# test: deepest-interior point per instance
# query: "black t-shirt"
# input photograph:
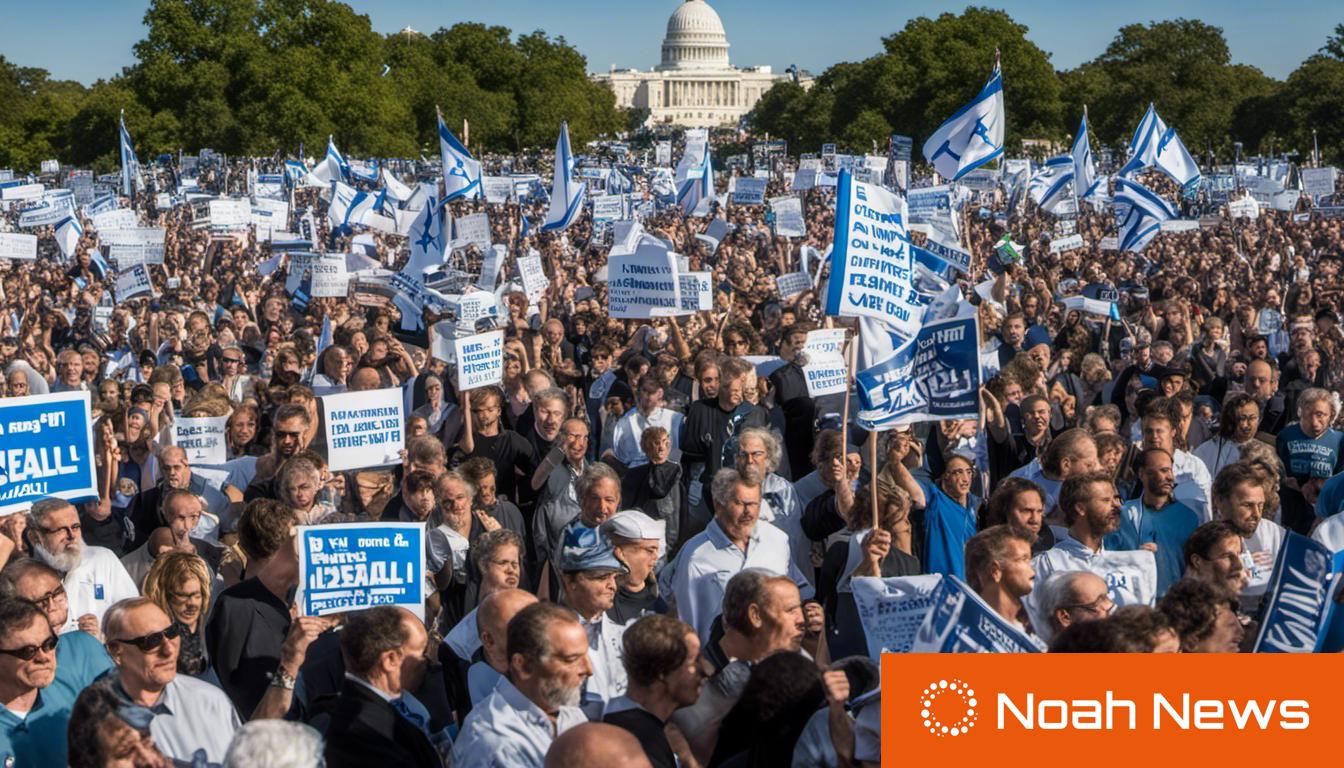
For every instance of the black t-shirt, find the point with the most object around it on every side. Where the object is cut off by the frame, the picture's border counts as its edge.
(109, 533)
(649, 730)
(246, 629)
(800, 416)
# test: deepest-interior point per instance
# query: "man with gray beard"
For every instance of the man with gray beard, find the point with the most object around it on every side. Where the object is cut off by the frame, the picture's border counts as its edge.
(537, 700)
(93, 577)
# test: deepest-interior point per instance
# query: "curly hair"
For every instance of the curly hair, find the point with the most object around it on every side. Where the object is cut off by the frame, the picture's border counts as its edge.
(170, 571)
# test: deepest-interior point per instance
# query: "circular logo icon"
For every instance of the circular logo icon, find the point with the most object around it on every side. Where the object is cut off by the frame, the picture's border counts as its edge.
(948, 708)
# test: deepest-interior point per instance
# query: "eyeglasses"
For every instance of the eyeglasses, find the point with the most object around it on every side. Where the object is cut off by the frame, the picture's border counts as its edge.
(72, 529)
(1102, 605)
(183, 595)
(44, 602)
(27, 652)
(153, 640)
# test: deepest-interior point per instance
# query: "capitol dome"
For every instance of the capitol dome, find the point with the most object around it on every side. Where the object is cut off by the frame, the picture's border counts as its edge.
(695, 39)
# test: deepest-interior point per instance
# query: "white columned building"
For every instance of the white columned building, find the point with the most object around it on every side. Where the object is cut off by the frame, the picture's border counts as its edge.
(694, 85)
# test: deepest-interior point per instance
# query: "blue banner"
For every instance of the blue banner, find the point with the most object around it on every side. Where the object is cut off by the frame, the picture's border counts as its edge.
(1298, 602)
(46, 449)
(353, 566)
(934, 376)
(960, 622)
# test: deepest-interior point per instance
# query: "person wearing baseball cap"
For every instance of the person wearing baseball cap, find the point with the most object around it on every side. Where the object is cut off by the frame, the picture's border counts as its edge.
(588, 569)
(639, 542)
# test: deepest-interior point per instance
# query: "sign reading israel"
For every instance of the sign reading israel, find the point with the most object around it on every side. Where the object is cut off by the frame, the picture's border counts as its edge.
(46, 449)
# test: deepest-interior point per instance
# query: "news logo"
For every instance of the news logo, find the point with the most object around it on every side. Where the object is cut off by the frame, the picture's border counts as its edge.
(947, 708)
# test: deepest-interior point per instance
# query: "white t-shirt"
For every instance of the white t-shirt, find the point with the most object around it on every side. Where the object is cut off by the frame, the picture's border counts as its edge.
(95, 584)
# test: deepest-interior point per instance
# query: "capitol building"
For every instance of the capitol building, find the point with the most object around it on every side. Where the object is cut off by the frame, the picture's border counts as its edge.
(695, 86)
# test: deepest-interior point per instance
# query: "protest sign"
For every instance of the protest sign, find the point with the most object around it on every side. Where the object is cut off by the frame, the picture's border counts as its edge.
(826, 376)
(50, 166)
(133, 282)
(960, 622)
(643, 284)
(203, 438)
(1245, 208)
(49, 212)
(1110, 243)
(443, 344)
(935, 375)
(936, 243)
(804, 179)
(1179, 225)
(934, 206)
(871, 263)
(662, 153)
(330, 279)
(490, 266)
(19, 191)
(473, 306)
(497, 189)
(608, 208)
(534, 278)
(16, 245)
(697, 291)
(230, 214)
(892, 610)
(1070, 243)
(47, 450)
(353, 566)
(134, 245)
(825, 341)
(788, 212)
(1299, 598)
(749, 191)
(480, 360)
(115, 218)
(473, 229)
(1286, 200)
(364, 429)
(1318, 182)
(792, 284)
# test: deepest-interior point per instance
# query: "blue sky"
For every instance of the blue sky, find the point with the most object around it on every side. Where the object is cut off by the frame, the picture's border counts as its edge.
(88, 39)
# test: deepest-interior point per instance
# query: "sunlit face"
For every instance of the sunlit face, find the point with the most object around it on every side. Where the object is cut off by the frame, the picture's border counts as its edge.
(738, 514)
(709, 381)
(1159, 433)
(1243, 507)
(1015, 572)
(782, 616)
(37, 672)
(485, 491)
(1315, 417)
(1248, 421)
(501, 571)
(301, 490)
(957, 478)
(1027, 510)
(590, 592)
(1223, 565)
(599, 502)
(752, 452)
(420, 502)
(732, 391)
(18, 383)
(658, 449)
(176, 471)
(1036, 417)
(550, 414)
(288, 437)
(454, 501)
(186, 600)
(1101, 512)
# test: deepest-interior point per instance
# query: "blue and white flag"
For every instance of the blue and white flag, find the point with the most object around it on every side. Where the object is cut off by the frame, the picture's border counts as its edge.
(349, 206)
(697, 192)
(332, 168)
(567, 196)
(461, 172)
(1299, 605)
(295, 170)
(323, 341)
(130, 166)
(1139, 213)
(936, 375)
(395, 189)
(68, 233)
(1051, 185)
(1174, 160)
(364, 171)
(960, 621)
(1084, 169)
(429, 238)
(872, 268)
(1143, 145)
(971, 137)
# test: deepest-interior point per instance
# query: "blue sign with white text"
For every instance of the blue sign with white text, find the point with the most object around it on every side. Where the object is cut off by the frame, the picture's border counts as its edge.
(46, 449)
(353, 566)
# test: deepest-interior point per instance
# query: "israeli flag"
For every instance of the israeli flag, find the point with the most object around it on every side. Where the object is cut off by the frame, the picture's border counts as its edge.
(68, 233)
(349, 206)
(323, 341)
(1173, 159)
(1143, 145)
(1051, 186)
(332, 168)
(461, 172)
(394, 188)
(697, 192)
(428, 239)
(295, 170)
(1139, 213)
(971, 137)
(130, 166)
(365, 171)
(566, 196)
(1084, 169)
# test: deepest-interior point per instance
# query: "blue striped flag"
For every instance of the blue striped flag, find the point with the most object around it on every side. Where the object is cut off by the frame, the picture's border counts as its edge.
(567, 196)
(971, 137)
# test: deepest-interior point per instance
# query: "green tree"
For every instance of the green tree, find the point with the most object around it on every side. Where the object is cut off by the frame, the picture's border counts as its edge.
(1313, 99)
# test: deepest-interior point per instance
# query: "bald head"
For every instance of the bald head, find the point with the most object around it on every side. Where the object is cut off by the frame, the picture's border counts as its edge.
(492, 623)
(597, 744)
(364, 380)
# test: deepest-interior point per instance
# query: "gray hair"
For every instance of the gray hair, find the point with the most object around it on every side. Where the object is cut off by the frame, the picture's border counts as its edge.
(44, 508)
(728, 478)
(116, 615)
(1313, 395)
(274, 744)
(295, 466)
(551, 394)
(592, 474)
(768, 439)
(1057, 592)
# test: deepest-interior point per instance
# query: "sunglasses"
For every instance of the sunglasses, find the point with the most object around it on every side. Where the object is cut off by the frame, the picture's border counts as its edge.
(27, 652)
(232, 359)
(153, 640)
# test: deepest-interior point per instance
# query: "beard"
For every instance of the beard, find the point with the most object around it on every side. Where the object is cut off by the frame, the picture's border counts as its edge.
(64, 562)
(556, 695)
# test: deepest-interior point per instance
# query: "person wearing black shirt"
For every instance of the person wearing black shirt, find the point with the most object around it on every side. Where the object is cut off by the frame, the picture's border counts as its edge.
(711, 423)
(661, 661)
(250, 620)
(800, 410)
(485, 437)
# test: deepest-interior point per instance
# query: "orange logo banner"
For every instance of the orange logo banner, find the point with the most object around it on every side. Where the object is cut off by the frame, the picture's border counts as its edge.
(1108, 709)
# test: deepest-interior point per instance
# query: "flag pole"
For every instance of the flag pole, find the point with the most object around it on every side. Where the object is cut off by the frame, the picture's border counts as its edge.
(872, 476)
(849, 381)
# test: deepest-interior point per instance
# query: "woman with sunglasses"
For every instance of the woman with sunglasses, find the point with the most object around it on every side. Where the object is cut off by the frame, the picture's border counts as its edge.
(179, 583)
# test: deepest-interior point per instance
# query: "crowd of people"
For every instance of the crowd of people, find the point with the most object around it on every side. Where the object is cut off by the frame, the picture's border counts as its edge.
(640, 545)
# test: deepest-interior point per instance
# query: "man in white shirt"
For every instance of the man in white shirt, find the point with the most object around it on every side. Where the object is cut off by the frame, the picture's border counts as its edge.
(93, 577)
(191, 718)
(734, 540)
(588, 569)
(1239, 420)
(648, 412)
(758, 448)
(1239, 498)
(537, 700)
